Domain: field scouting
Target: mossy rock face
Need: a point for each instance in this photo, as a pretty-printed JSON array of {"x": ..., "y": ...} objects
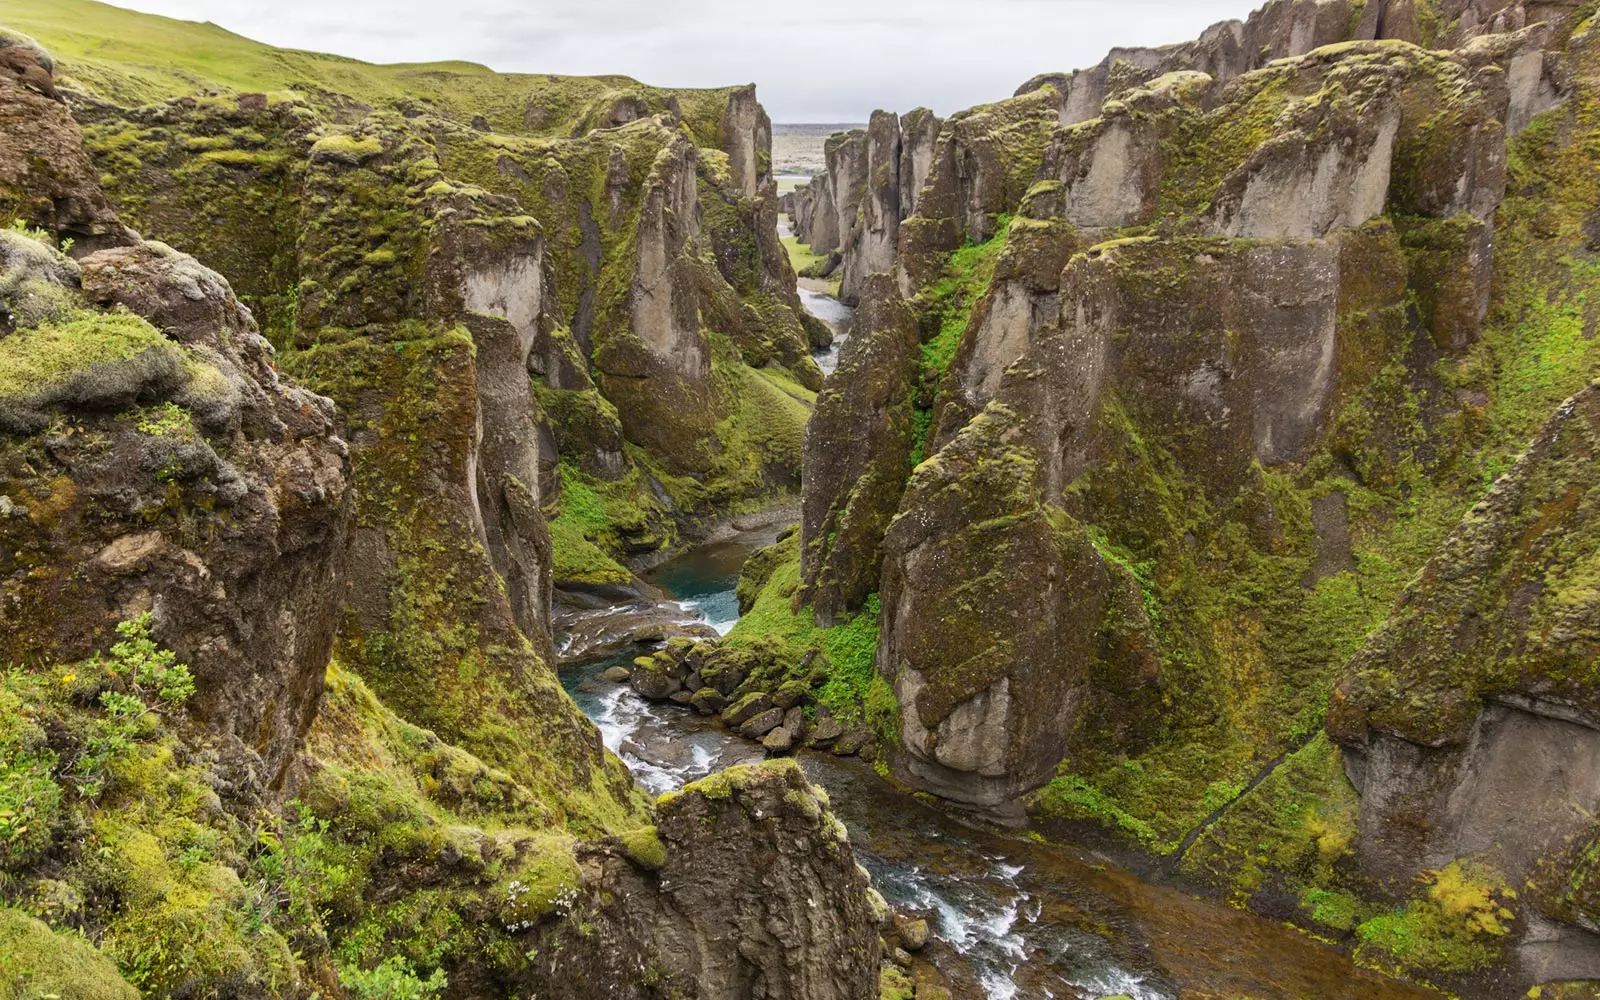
[
  {"x": 423, "y": 567},
  {"x": 163, "y": 436},
  {"x": 1492, "y": 646},
  {"x": 858, "y": 454},
  {"x": 46, "y": 178},
  {"x": 991, "y": 597},
  {"x": 983, "y": 164},
  {"x": 221, "y": 178}
]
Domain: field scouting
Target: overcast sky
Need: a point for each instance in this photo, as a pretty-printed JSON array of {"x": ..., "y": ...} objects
[{"x": 813, "y": 62}]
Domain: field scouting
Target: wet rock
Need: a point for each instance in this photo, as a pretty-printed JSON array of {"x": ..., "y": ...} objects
[
  {"x": 617, "y": 675},
  {"x": 747, "y": 708},
  {"x": 651, "y": 681},
  {"x": 760, "y": 725},
  {"x": 913, "y": 932},
  {"x": 780, "y": 740},
  {"x": 825, "y": 733},
  {"x": 852, "y": 742},
  {"x": 684, "y": 697},
  {"x": 708, "y": 701}
]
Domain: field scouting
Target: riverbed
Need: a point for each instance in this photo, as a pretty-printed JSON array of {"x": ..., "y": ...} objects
[
  {"x": 824, "y": 306},
  {"x": 1012, "y": 919}
]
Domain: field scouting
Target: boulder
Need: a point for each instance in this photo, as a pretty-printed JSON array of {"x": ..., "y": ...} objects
[
  {"x": 652, "y": 682},
  {"x": 747, "y": 708},
  {"x": 913, "y": 932},
  {"x": 760, "y": 725},
  {"x": 708, "y": 701},
  {"x": 825, "y": 733}
]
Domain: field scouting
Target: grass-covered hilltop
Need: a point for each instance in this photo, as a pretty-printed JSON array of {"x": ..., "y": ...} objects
[
  {"x": 1212, "y": 475},
  {"x": 316, "y": 379},
  {"x": 1226, "y": 479}
]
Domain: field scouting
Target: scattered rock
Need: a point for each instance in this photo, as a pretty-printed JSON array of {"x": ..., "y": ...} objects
[
  {"x": 747, "y": 708},
  {"x": 852, "y": 742},
  {"x": 708, "y": 701},
  {"x": 780, "y": 740},
  {"x": 653, "y": 683},
  {"x": 758, "y": 726},
  {"x": 825, "y": 733},
  {"x": 617, "y": 675}
]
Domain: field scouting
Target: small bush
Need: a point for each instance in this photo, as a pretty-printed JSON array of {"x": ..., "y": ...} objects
[{"x": 395, "y": 979}]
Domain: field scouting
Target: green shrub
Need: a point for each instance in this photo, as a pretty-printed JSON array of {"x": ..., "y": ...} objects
[{"x": 394, "y": 979}]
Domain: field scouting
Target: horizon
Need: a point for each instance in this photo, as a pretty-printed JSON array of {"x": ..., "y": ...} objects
[{"x": 876, "y": 56}]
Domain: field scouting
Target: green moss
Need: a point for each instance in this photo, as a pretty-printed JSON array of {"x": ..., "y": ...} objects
[
  {"x": 851, "y": 687},
  {"x": 37, "y": 963},
  {"x": 1301, "y": 819},
  {"x": 581, "y": 522},
  {"x": 442, "y": 654},
  {"x": 1461, "y": 925},
  {"x": 955, "y": 294},
  {"x": 348, "y": 148},
  {"x": 45, "y": 358},
  {"x": 893, "y": 984},
  {"x": 645, "y": 848},
  {"x": 801, "y": 259}
]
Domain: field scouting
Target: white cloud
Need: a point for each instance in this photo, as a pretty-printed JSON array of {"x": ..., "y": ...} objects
[{"x": 833, "y": 61}]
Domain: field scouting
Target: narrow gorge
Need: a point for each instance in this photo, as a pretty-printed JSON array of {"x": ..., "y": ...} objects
[{"x": 469, "y": 534}]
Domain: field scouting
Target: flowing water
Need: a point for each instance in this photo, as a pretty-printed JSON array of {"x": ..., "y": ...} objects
[
  {"x": 824, "y": 307},
  {"x": 1011, "y": 919}
]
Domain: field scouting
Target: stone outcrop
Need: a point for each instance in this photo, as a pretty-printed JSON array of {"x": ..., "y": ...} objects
[
  {"x": 219, "y": 504},
  {"x": 46, "y": 178},
  {"x": 992, "y": 610},
  {"x": 851, "y": 213},
  {"x": 1213, "y": 282},
  {"x": 983, "y": 163},
  {"x": 857, "y": 453},
  {"x": 869, "y": 248},
  {"x": 1472, "y": 710},
  {"x": 506, "y": 327},
  {"x": 756, "y": 893}
]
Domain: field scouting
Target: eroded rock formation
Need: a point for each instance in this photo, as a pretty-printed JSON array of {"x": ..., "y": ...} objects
[
  {"x": 375, "y": 745},
  {"x": 1199, "y": 327}
]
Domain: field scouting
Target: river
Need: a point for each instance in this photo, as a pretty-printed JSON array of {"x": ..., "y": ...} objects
[
  {"x": 1012, "y": 919},
  {"x": 824, "y": 307}
]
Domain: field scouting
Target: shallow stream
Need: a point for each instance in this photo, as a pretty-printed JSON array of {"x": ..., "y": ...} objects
[{"x": 1011, "y": 919}]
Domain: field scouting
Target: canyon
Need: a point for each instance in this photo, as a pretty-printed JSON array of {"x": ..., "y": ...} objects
[{"x": 1192, "y": 474}]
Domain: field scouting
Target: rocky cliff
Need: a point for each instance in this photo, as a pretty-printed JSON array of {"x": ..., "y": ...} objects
[
  {"x": 281, "y": 715},
  {"x": 1218, "y": 342}
]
